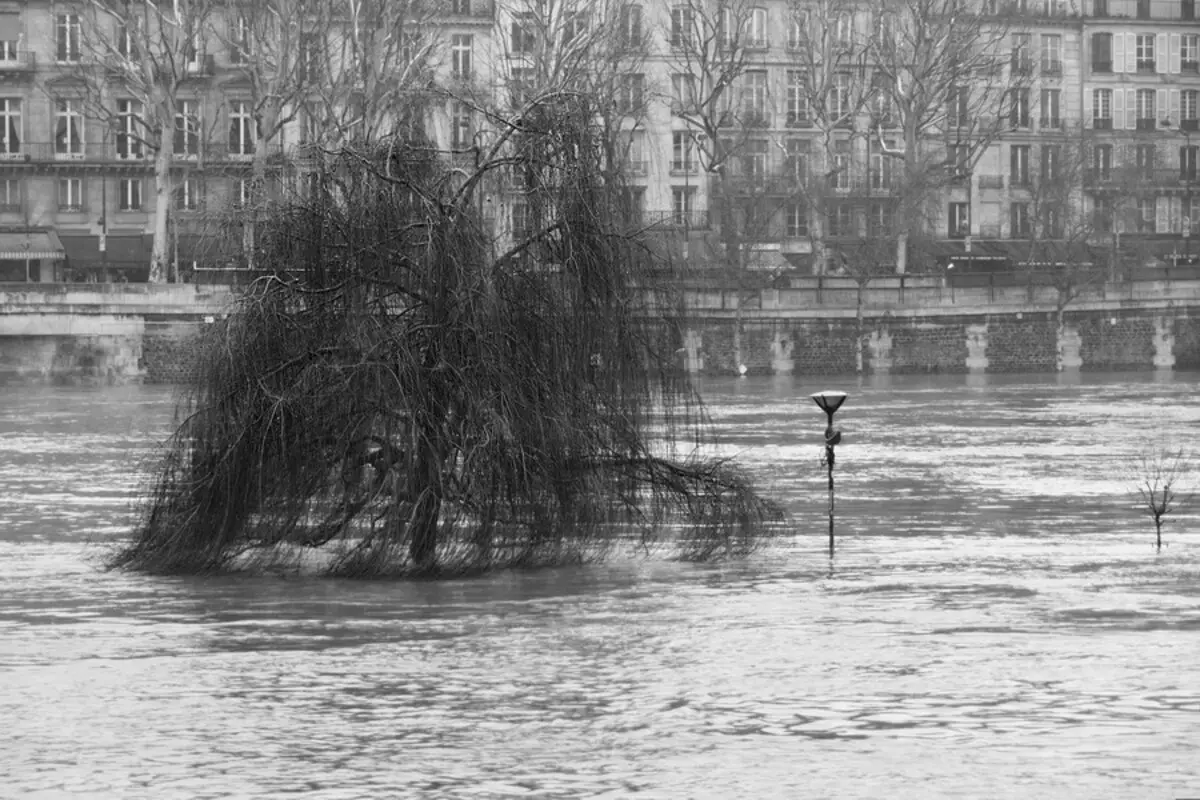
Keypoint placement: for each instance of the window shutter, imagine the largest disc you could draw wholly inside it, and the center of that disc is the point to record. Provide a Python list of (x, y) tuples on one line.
[(1130, 52), (1176, 214), (1130, 109), (1160, 53), (1162, 214), (1173, 109), (1117, 52), (1175, 53), (1160, 106), (1118, 108), (1087, 107)]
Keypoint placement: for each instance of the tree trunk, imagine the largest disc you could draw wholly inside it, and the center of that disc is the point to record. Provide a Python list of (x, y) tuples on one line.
[(160, 253), (427, 504)]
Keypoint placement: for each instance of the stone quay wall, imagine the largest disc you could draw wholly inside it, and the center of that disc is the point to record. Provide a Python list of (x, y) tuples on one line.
[(132, 333)]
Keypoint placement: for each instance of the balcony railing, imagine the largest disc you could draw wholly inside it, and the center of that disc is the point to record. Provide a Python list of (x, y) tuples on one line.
[(1124, 178), (680, 220), (96, 152)]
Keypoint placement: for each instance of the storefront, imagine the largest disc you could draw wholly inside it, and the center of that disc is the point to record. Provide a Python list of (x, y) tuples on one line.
[(116, 258), (30, 257)]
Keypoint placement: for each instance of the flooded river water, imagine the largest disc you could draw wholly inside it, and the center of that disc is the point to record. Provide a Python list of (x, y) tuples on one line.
[(996, 624)]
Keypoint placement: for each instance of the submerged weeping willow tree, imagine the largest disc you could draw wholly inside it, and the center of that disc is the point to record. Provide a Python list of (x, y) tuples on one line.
[(400, 393)]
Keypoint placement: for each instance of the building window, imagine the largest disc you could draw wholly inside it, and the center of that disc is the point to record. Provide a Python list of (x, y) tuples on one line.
[(1051, 104), (1022, 60), (461, 47), (754, 98), (1102, 214), (1052, 221), (1145, 109), (796, 29), (796, 220), (841, 220), (1102, 162), (683, 87), (1052, 52), (959, 217), (796, 160), (683, 204), (881, 222), (70, 194), (1019, 165), (131, 194), (521, 37), (1018, 220), (1144, 159), (1051, 162), (1187, 9), (187, 195), (10, 122), (839, 177), (460, 126), (838, 103), (630, 93), (682, 156), (1143, 9), (797, 98), (1189, 52), (683, 23), (309, 58), (129, 136), (127, 41), (1018, 115), (757, 31), (1144, 48), (239, 40), (957, 114), (243, 192), (1102, 109), (1189, 103), (10, 195), (187, 129), (68, 129), (631, 26), (754, 160), (1189, 155), (1146, 210), (881, 165), (241, 129), (66, 37), (1102, 61)]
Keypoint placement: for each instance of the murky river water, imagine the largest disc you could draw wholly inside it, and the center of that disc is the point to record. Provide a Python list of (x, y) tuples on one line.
[(996, 624)]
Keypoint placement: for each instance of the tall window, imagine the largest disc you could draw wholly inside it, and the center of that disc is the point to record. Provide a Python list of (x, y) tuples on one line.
[(881, 165), (796, 220), (308, 59), (840, 177), (881, 221), (1189, 104), (796, 161), (187, 129), (631, 25), (461, 45), (754, 159), (460, 126), (241, 129), (1145, 220), (682, 25), (1145, 109), (66, 37), (10, 122), (242, 193), (1102, 162), (757, 31), (127, 41), (1052, 54), (187, 195), (1051, 162), (682, 157), (1019, 107), (797, 98), (797, 27), (1022, 60), (130, 190), (10, 35), (959, 218), (754, 97), (841, 220), (1051, 103), (129, 135), (1102, 60), (683, 204), (956, 107), (1144, 158), (521, 36), (839, 98), (239, 40), (683, 87), (68, 128), (1189, 156), (1019, 165), (10, 195), (70, 194), (630, 93), (1018, 220), (1144, 48), (1102, 109), (1189, 52)]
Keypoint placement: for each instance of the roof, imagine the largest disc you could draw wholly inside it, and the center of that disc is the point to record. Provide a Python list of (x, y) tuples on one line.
[(32, 245)]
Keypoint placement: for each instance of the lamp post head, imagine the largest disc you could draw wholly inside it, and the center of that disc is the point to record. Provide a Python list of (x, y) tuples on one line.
[(829, 401)]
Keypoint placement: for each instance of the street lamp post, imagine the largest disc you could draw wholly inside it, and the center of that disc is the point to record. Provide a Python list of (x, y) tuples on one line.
[(830, 402)]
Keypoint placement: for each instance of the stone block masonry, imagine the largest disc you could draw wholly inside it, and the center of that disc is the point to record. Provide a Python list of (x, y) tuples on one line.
[(170, 350)]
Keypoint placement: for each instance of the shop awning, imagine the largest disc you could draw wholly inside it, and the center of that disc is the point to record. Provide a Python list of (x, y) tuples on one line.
[(120, 249), (33, 246)]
